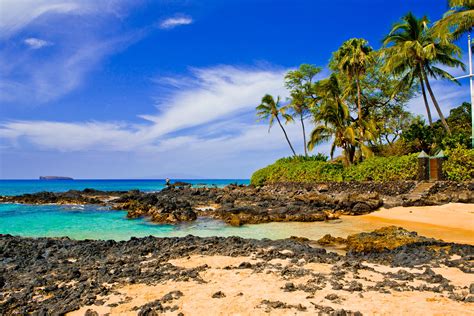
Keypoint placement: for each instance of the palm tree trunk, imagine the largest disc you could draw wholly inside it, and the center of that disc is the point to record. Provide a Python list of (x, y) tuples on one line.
[(438, 109), (425, 99), (304, 135), (286, 136), (350, 153), (359, 106)]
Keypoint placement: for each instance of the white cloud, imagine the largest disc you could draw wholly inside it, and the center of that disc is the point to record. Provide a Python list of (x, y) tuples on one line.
[(36, 81), (36, 43), (32, 79), (205, 127), (212, 94), (204, 115), (16, 14), (173, 22)]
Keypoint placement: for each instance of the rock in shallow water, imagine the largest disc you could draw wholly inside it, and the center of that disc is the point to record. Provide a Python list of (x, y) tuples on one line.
[(239, 205)]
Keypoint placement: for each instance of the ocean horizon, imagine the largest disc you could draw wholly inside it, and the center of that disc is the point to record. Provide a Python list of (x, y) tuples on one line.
[(26, 186)]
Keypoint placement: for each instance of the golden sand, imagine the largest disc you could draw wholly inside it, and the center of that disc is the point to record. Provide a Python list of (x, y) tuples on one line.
[(245, 290)]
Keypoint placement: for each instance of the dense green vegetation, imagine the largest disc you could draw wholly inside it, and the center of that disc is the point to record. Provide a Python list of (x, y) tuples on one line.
[(458, 167), (376, 168), (360, 108)]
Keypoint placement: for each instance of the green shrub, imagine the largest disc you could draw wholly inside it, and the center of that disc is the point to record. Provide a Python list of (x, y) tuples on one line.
[(301, 158), (260, 176), (458, 167), (294, 171), (377, 169), (460, 164), (384, 169)]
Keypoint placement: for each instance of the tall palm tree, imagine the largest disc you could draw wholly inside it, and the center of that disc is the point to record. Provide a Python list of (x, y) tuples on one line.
[(353, 59), (412, 51), (270, 110), (457, 21), (301, 86), (300, 108), (410, 72), (333, 121)]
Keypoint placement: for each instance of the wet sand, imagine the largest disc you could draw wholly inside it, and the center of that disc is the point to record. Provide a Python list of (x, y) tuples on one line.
[(452, 222)]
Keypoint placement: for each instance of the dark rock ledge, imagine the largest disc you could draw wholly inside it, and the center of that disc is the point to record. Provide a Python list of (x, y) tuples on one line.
[(238, 205), (47, 276)]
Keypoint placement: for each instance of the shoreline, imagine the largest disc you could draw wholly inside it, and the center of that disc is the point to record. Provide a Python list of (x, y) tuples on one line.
[(240, 205), (451, 215), (430, 222), (235, 275)]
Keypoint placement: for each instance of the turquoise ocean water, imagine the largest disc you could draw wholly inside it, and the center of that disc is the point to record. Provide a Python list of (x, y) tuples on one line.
[(93, 222)]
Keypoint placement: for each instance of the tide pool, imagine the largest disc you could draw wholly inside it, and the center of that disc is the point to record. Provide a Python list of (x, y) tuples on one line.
[(93, 222)]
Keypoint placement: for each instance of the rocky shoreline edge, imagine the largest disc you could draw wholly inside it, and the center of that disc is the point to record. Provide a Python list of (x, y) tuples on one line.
[(151, 276), (284, 202)]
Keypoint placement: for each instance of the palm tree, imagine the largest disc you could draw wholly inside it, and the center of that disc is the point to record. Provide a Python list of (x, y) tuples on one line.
[(300, 108), (333, 121), (353, 59), (301, 86), (412, 51), (269, 109), (457, 21)]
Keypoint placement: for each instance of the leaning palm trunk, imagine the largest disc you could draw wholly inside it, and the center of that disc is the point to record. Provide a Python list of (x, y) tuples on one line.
[(425, 99), (286, 136), (438, 109), (304, 135)]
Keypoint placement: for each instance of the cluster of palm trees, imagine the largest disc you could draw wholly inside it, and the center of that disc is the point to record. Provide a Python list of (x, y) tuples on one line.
[(352, 106)]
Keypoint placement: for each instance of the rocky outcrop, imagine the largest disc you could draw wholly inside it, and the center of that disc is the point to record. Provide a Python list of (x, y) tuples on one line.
[(238, 205), (377, 241), (160, 208), (57, 275), (444, 192), (87, 196)]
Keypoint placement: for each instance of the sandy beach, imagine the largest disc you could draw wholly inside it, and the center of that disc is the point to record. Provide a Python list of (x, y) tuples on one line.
[(268, 292), (235, 276), (248, 292), (452, 222)]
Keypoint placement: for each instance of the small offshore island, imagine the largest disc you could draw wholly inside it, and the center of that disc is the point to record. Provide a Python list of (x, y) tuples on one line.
[(55, 178)]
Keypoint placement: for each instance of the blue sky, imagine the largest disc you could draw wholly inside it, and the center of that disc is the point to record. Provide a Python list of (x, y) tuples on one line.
[(153, 89)]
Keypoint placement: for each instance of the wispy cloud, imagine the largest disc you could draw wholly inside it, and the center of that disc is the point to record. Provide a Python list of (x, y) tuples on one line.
[(15, 15), (29, 78), (213, 111), (173, 22), (36, 43)]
